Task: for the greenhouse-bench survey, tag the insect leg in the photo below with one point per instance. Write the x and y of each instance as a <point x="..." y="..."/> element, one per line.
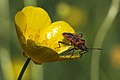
<point x="60" y="42"/>
<point x="72" y="53"/>
<point x="70" y="50"/>
<point x="81" y="54"/>
<point x="80" y="34"/>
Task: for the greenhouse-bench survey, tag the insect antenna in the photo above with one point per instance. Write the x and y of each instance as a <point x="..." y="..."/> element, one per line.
<point x="95" y="48"/>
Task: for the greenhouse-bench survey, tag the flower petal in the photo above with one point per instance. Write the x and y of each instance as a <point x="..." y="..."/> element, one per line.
<point x="53" y="34"/>
<point x="36" y="20"/>
<point x="40" y="54"/>
<point x="20" y="22"/>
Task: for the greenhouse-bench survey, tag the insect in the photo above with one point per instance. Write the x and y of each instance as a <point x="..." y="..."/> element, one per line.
<point x="77" y="42"/>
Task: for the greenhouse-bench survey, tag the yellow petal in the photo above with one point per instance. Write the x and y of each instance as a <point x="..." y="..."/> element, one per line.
<point x="53" y="34"/>
<point x="35" y="20"/>
<point x="20" y="22"/>
<point x="41" y="54"/>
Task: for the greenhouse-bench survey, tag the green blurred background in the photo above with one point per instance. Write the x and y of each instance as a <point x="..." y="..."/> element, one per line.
<point x="98" y="20"/>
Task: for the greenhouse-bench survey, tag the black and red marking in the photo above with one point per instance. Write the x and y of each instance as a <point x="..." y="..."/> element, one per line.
<point x="76" y="41"/>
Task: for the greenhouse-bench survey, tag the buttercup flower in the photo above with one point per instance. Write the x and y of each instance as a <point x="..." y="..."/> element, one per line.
<point x="39" y="37"/>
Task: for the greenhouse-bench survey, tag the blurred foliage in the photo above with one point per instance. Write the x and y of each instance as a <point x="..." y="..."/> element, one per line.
<point x="86" y="16"/>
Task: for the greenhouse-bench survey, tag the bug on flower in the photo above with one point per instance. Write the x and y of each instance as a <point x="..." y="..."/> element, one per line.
<point x="77" y="42"/>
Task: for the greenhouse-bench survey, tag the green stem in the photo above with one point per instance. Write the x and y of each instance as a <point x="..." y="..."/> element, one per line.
<point x="24" y="68"/>
<point x="95" y="60"/>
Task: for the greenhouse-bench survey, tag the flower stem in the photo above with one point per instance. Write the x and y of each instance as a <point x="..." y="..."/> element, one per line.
<point x="95" y="59"/>
<point x="24" y="68"/>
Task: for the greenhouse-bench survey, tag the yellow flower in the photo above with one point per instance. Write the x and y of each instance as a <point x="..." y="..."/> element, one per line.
<point x="39" y="37"/>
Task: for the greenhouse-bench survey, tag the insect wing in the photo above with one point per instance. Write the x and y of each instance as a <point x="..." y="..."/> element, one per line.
<point x="68" y="35"/>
